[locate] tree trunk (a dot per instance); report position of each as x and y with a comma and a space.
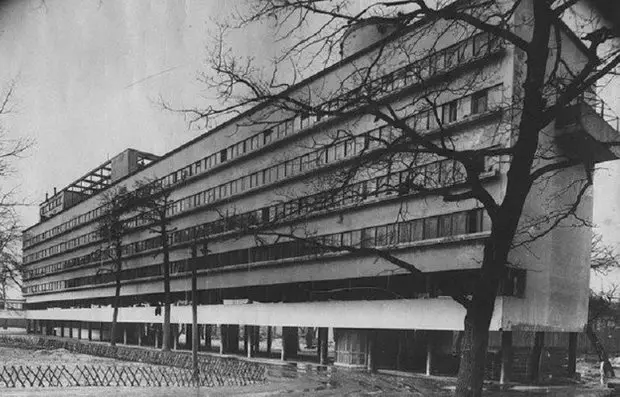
165, 345
474, 350
117, 294
600, 351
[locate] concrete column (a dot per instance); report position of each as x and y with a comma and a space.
572, 354
124, 334
536, 355
230, 338
70, 330
140, 328
429, 352
269, 328
402, 348
222, 338
256, 339
79, 330
323, 342
101, 332
289, 343
62, 330
175, 335
189, 336
507, 358
90, 331
201, 335
156, 336
207, 329
233, 338
249, 341
371, 351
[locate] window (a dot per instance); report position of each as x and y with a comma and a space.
290, 126
347, 239
448, 112
349, 148
254, 180
368, 237
459, 223
267, 136
479, 102
381, 235
224, 190
223, 155
305, 163
474, 221
304, 120
404, 232
239, 149
430, 228
451, 57
444, 226
265, 214
280, 130
273, 174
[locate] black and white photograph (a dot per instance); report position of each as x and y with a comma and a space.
310, 198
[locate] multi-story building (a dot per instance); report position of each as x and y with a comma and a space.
263, 169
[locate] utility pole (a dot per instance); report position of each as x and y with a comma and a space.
195, 334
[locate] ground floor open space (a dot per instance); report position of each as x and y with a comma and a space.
513, 356
289, 380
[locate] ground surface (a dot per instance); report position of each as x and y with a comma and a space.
285, 381
13, 356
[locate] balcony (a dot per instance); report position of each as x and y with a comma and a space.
586, 129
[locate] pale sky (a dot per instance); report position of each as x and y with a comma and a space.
89, 73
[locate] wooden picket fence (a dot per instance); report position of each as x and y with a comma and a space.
93, 375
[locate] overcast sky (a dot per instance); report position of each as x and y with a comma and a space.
89, 73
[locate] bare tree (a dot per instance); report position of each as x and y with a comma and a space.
10, 256
112, 229
603, 304
412, 149
11, 149
152, 202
